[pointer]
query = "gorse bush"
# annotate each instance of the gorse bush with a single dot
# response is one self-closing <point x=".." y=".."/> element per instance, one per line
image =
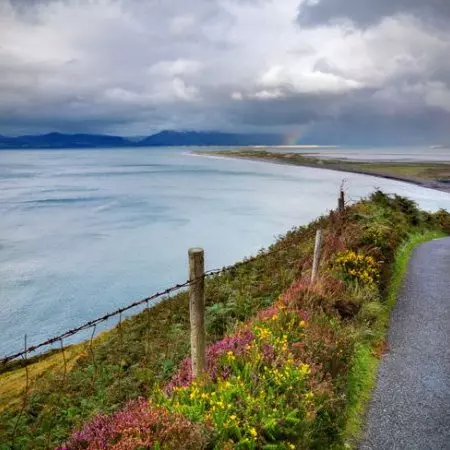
<point x="357" y="267"/>
<point x="284" y="357"/>
<point x="248" y="406"/>
<point x="263" y="386"/>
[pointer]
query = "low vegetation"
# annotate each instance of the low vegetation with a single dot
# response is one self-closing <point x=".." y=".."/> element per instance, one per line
<point x="431" y="174"/>
<point x="289" y="364"/>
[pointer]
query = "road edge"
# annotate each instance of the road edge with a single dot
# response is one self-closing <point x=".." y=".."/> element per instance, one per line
<point x="363" y="374"/>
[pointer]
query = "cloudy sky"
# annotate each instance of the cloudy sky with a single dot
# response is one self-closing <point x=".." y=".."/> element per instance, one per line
<point x="337" y="70"/>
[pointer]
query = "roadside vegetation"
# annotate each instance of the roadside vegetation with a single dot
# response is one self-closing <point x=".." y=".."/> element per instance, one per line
<point x="290" y="365"/>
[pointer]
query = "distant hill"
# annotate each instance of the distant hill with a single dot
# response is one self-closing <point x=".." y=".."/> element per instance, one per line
<point x="193" y="138"/>
<point x="162" y="139"/>
<point x="60" y="140"/>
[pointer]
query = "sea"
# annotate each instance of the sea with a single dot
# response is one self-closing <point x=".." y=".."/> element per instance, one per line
<point x="84" y="232"/>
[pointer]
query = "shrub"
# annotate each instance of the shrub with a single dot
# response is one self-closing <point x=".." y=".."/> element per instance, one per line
<point x="236" y="343"/>
<point x="443" y="220"/>
<point x="371" y="311"/>
<point x="139" y="425"/>
<point x="268" y="392"/>
<point x="357" y="267"/>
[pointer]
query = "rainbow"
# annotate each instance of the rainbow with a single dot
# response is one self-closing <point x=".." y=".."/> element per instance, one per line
<point x="293" y="136"/>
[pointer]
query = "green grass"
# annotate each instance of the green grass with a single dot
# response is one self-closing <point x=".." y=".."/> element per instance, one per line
<point x="363" y="373"/>
<point x="408" y="171"/>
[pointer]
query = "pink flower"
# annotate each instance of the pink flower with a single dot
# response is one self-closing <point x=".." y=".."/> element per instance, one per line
<point x="237" y="344"/>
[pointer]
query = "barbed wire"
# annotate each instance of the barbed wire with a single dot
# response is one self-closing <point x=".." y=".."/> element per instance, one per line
<point x="120" y="311"/>
<point x="93" y="323"/>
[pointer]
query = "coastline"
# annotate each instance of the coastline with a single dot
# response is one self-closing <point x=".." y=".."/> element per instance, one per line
<point x="428" y="184"/>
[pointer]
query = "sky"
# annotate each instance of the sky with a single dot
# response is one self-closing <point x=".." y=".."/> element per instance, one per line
<point x="343" y="71"/>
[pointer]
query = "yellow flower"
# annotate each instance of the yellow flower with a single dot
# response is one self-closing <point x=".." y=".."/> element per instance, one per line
<point x="253" y="432"/>
<point x="305" y="369"/>
<point x="302" y="324"/>
<point x="233" y="417"/>
<point x="231" y="356"/>
<point x="291" y="446"/>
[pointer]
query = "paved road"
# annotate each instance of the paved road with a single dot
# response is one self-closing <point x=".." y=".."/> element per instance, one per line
<point x="410" y="408"/>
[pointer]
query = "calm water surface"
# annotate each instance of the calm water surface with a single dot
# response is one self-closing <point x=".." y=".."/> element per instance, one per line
<point x="85" y="232"/>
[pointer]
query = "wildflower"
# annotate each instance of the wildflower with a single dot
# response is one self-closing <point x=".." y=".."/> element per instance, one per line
<point x="231" y="356"/>
<point x="253" y="432"/>
<point x="291" y="446"/>
<point x="302" y="324"/>
<point x="305" y="369"/>
<point x="263" y="332"/>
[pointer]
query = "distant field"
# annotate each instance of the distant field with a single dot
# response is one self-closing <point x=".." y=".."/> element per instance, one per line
<point x="428" y="174"/>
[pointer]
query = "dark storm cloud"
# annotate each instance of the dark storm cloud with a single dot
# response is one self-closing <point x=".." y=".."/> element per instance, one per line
<point x="369" y="12"/>
<point x="134" y="67"/>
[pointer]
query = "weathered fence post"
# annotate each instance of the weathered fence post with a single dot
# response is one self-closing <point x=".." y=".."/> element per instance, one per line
<point x="317" y="246"/>
<point x="341" y="202"/>
<point x="197" y="309"/>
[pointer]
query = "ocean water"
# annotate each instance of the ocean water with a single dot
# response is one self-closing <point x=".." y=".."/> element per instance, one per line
<point x="85" y="232"/>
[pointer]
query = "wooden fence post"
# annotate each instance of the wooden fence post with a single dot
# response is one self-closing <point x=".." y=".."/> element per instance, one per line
<point x="197" y="310"/>
<point x="341" y="202"/>
<point x="317" y="246"/>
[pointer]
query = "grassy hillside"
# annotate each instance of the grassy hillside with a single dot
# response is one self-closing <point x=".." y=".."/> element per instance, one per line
<point x="290" y="365"/>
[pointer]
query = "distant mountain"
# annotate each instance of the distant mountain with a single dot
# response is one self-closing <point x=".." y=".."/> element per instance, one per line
<point x="9" y="142"/>
<point x="199" y="138"/>
<point x="162" y="139"/>
<point x="59" y="140"/>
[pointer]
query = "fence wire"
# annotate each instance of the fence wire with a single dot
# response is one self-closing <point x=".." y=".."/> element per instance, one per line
<point x="118" y="312"/>
<point x="149" y="302"/>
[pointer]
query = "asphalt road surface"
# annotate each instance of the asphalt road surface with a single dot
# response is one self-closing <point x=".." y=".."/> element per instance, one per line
<point x="410" y="408"/>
